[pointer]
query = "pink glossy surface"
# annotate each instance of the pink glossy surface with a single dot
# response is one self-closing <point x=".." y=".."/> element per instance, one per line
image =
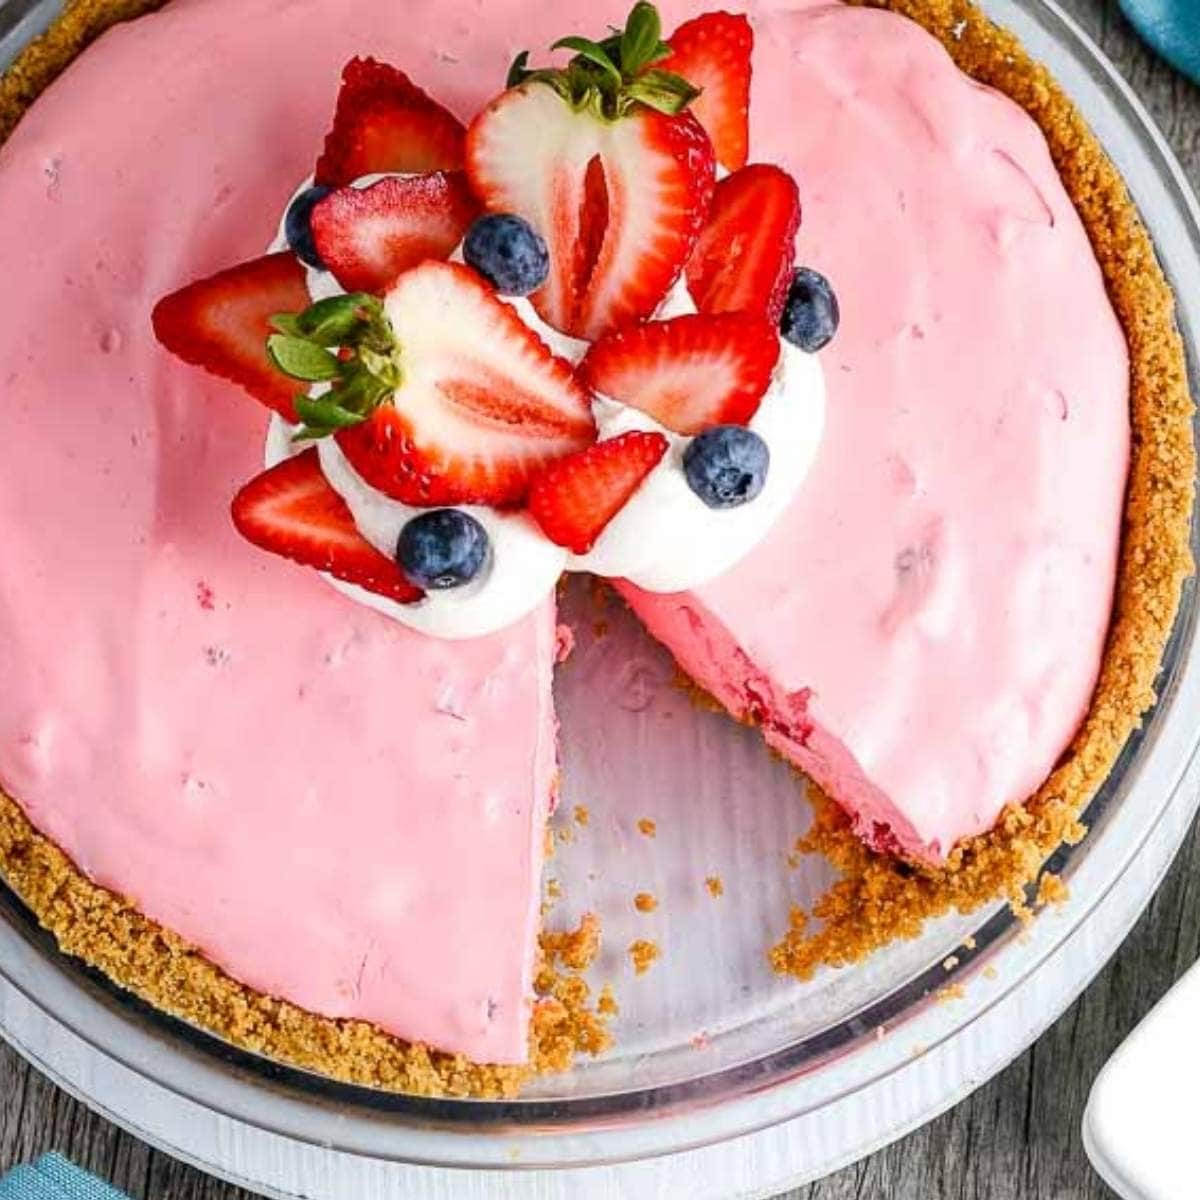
<point x="939" y="593"/>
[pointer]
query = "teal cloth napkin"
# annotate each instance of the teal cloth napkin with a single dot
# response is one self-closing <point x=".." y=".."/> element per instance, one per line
<point x="53" y="1178"/>
<point x="1172" y="27"/>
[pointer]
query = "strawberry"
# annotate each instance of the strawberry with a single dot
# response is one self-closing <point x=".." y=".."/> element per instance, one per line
<point x="384" y="123"/>
<point x="619" y="202"/>
<point x="712" y="52"/>
<point x="221" y="324"/>
<point x="291" y="510"/>
<point x="574" y="500"/>
<point x="369" y="236"/>
<point x="689" y="373"/>
<point x="482" y="405"/>
<point x="743" y="261"/>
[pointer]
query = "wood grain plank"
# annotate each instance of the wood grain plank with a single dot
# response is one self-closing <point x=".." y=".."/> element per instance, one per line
<point x="1016" y="1138"/>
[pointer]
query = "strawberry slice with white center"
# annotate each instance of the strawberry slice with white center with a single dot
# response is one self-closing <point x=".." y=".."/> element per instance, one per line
<point x="482" y="407"/>
<point x="370" y="236"/>
<point x="575" y="499"/>
<point x="291" y="510"/>
<point x="689" y="373"/>
<point x="712" y="52"/>
<point x="620" y="203"/>
<point x="221" y="324"/>
<point x="385" y="124"/>
<point x="743" y="260"/>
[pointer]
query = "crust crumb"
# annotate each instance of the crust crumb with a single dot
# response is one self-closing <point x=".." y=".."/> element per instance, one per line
<point x="645" y="902"/>
<point x="582" y="815"/>
<point x="607" y="1004"/>
<point x="574" y="948"/>
<point x="715" y="886"/>
<point x="643" y="955"/>
<point x="1052" y="890"/>
<point x="647" y="827"/>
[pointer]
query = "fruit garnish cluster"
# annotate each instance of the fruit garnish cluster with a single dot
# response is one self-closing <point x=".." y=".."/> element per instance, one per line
<point x="576" y="201"/>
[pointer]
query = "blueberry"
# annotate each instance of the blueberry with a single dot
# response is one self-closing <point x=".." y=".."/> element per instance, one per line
<point x="508" y="252"/>
<point x="441" y="549"/>
<point x="726" y="465"/>
<point x="297" y="226"/>
<point x="810" y="315"/>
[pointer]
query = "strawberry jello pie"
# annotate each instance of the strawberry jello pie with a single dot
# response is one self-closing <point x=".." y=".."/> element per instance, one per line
<point x="826" y="334"/>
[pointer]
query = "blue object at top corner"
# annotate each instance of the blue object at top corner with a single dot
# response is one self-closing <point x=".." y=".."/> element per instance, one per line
<point x="1172" y="27"/>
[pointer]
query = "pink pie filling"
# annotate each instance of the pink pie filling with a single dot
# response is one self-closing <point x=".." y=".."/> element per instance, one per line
<point x="348" y="814"/>
<point x="922" y="630"/>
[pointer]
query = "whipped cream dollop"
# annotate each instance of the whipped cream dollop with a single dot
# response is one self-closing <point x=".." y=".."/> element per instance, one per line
<point x="665" y="539"/>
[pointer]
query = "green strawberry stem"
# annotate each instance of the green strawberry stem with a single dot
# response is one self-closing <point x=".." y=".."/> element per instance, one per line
<point x="346" y="343"/>
<point x="609" y="78"/>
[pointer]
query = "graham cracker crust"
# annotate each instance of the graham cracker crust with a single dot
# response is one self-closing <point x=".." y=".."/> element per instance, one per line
<point x="877" y="898"/>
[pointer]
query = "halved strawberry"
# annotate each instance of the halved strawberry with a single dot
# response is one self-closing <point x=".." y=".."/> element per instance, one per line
<point x="368" y="237"/>
<point x="384" y="123"/>
<point x="712" y="52"/>
<point x="574" y="500"/>
<point x="221" y="324"/>
<point x="291" y="510"/>
<point x="744" y="258"/>
<point x="483" y="405"/>
<point x="619" y="202"/>
<point x="688" y="373"/>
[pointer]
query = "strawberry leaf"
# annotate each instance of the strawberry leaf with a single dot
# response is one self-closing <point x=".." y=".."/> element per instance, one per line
<point x="365" y="371"/>
<point x="339" y="320"/>
<point x="519" y="71"/>
<point x="286" y="323"/>
<point x="609" y="77"/>
<point x="663" y="91"/>
<point x="592" y="52"/>
<point x="641" y="38"/>
<point x="323" y="415"/>
<point x="301" y="359"/>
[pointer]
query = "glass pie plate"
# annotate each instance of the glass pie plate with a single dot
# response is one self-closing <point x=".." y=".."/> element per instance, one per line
<point x="710" y="1044"/>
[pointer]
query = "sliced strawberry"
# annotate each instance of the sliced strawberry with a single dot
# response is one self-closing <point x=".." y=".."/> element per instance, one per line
<point x="220" y="324"/>
<point x="620" y="203"/>
<point x="291" y="510"/>
<point x="483" y="405"/>
<point x="689" y="373"/>
<point x="712" y="52"/>
<point x="743" y="261"/>
<point x="575" y="499"/>
<point x="368" y="237"/>
<point x="384" y="123"/>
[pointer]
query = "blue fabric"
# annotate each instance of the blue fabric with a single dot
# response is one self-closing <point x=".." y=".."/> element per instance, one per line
<point x="53" y="1178"/>
<point x="1172" y="27"/>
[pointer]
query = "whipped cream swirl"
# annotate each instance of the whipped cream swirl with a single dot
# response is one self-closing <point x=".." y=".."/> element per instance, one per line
<point x="665" y="539"/>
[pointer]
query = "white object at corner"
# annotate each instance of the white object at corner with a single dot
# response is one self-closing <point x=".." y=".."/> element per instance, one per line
<point x="1139" y="1128"/>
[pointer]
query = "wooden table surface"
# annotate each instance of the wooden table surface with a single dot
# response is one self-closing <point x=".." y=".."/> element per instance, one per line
<point x="1016" y="1138"/>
